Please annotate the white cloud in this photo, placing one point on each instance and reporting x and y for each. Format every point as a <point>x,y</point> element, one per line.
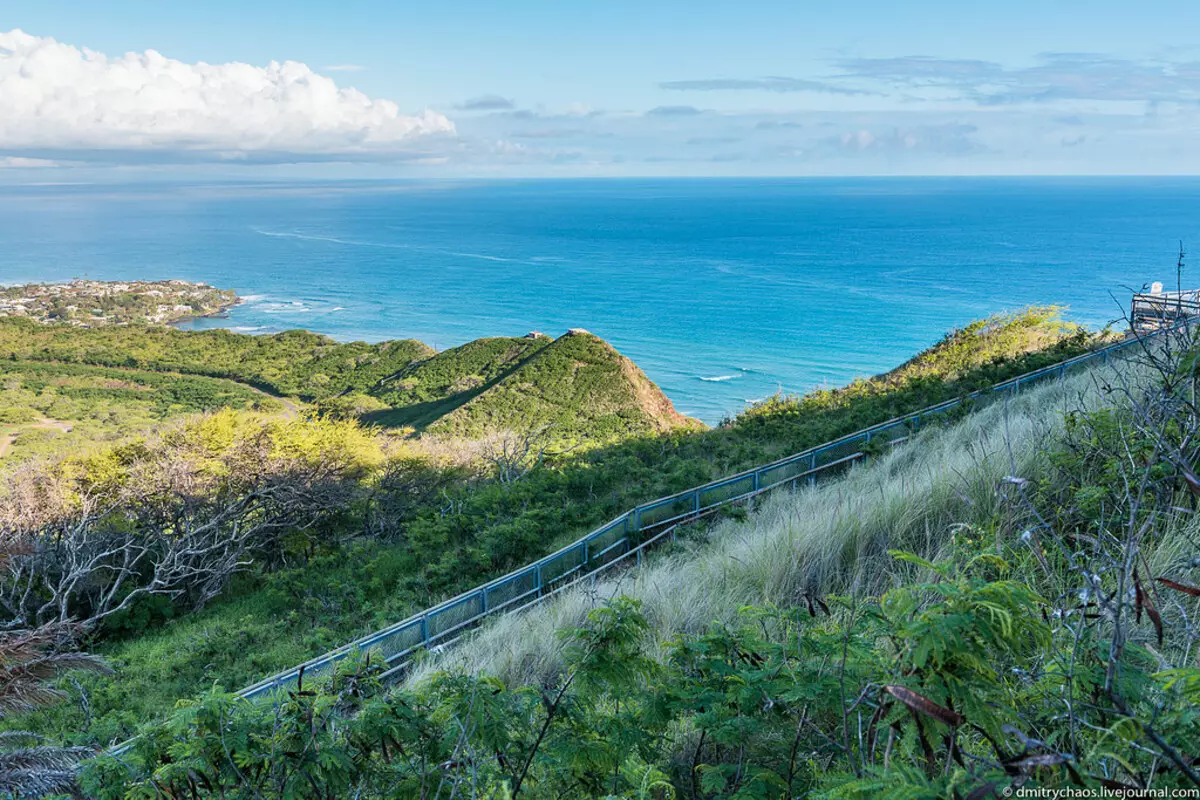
<point>578,109</point>
<point>57,98</point>
<point>344,68</point>
<point>20,162</point>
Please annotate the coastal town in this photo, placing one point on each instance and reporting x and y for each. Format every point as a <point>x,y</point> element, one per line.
<point>90,304</point>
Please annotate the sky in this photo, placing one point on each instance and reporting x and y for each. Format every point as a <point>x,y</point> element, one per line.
<point>131,89</point>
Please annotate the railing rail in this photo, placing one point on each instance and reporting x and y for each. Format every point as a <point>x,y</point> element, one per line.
<point>1149,311</point>
<point>430,627</point>
<point>641,527</point>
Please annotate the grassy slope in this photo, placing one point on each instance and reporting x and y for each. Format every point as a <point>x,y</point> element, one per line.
<point>578,388</point>
<point>965,635</point>
<point>426,390</point>
<point>291,363</point>
<point>949,497</point>
<point>830,539</point>
<point>271,622</point>
<point>101,404</point>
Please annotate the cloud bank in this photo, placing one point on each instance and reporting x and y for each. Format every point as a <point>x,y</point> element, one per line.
<point>61,99</point>
<point>488,102</point>
<point>948,139</point>
<point>674,111</point>
<point>770,83</point>
<point>1055,76</point>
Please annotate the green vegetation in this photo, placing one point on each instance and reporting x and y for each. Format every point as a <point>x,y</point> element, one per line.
<point>973,357</point>
<point>546,395</point>
<point>569,391</point>
<point>417,530</point>
<point>831,538</point>
<point>293,363</point>
<point>453,374</point>
<point>59,408</point>
<point>1003,603</point>
<point>577,388</point>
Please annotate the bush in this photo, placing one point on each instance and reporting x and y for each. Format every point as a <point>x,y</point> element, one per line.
<point>18,416</point>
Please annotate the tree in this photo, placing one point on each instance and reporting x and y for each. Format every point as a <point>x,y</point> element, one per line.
<point>512,454</point>
<point>176,517</point>
<point>29,659</point>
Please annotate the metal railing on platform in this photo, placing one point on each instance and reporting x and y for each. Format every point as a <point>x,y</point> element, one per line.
<point>636,531</point>
<point>1155,310</point>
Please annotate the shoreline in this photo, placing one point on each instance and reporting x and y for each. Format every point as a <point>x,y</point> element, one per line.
<point>220,313</point>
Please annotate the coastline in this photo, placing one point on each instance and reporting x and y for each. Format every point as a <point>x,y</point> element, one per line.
<point>220,313</point>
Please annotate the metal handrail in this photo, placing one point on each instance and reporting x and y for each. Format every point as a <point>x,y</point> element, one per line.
<point>367,641</point>
<point>631,523</point>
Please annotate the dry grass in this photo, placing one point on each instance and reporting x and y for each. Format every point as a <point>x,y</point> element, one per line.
<point>830,538</point>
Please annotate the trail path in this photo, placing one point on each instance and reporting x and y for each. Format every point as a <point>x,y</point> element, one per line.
<point>7,440</point>
<point>290,409</point>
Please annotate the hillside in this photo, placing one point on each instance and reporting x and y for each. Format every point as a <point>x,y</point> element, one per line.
<point>946,622</point>
<point>295,363</point>
<point>996,337</point>
<point>418,531</point>
<point>576,388</point>
<point>427,389</point>
<point>566,392</point>
<point>61,408</point>
<point>974,356</point>
<point>1001,606</point>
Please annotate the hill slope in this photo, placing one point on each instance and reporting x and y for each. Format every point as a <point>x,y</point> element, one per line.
<point>425,390</point>
<point>464,532</point>
<point>576,387</point>
<point>728,665</point>
<point>59,408</point>
<point>298,362</point>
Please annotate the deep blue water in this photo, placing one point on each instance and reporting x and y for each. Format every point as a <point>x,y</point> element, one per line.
<point>724,291</point>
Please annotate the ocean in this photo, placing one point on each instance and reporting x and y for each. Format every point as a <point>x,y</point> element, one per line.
<point>724,291</point>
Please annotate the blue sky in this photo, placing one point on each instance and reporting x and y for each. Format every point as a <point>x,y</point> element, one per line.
<point>615,88</point>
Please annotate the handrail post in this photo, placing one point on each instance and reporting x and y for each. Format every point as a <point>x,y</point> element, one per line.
<point>425,630</point>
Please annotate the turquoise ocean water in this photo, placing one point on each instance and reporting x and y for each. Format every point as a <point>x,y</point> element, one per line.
<point>723,291</point>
